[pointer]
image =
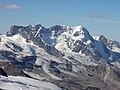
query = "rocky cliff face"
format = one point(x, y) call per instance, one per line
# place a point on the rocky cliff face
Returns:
point(69, 58)
point(110, 43)
point(33, 34)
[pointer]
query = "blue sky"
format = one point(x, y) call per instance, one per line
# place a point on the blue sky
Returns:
point(98, 16)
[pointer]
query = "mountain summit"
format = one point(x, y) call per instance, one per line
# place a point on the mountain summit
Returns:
point(62, 57)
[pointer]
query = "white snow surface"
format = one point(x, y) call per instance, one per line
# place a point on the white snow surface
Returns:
point(96, 37)
point(70, 36)
point(33, 75)
point(63, 37)
point(29, 49)
point(115, 49)
point(24, 83)
point(86, 60)
point(38, 31)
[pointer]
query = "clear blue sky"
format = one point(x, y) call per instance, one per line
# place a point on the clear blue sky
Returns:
point(98, 16)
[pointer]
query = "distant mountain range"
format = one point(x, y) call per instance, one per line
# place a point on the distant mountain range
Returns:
point(58, 58)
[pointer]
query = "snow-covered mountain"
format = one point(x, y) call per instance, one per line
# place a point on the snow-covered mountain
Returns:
point(62, 57)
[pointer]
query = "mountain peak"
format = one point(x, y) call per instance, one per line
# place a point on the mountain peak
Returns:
point(82, 33)
point(79, 27)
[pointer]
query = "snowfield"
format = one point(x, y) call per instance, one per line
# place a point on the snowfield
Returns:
point(24, 83)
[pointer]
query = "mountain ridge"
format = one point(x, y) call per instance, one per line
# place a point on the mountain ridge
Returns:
point(69, 55)
point(65, 38)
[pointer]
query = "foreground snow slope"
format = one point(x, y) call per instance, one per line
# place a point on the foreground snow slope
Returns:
point(23, 83)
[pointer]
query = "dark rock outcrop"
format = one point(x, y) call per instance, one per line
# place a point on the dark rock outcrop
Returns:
point(3, 73)
point(108, 42)
point(10, 69)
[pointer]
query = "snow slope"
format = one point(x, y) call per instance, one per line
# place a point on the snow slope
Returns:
point(24, 83)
